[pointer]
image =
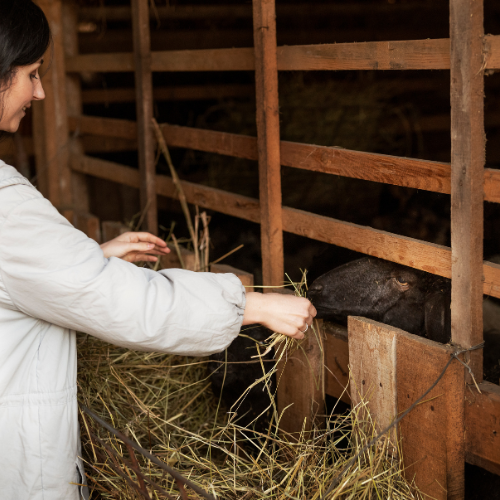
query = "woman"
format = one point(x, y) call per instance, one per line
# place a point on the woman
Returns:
point(54, 280)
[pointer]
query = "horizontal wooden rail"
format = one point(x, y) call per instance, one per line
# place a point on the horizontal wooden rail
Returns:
point(177, 93)
point(482, 411)
point(428, 257)
point(406, 172)
point(395, 55)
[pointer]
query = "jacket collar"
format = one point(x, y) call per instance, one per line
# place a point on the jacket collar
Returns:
point(9, 176)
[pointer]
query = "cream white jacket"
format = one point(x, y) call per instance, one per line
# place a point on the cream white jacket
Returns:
point(53, 281)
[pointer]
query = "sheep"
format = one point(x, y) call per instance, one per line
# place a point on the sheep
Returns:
point(415, 301)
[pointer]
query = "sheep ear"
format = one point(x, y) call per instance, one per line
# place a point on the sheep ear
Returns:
point(438, 317)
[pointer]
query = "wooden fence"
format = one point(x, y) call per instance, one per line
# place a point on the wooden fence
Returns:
point(63, 169)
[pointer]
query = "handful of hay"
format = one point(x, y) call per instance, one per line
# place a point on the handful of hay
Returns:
point(165, 404)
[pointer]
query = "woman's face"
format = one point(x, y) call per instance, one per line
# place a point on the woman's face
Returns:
point(26, 86)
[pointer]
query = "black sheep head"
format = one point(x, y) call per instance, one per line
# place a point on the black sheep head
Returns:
point(415, 301)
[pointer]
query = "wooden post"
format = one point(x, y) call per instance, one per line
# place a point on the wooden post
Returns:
point(144, 106)
point(392, 369)
point(50, 117)
point(79, 182)
point(467, 175)
point(266, 79)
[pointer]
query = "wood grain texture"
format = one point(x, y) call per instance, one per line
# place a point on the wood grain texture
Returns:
point(482, 417)
point(467, 175)
point(144, 107)
point(74, 105)
point(268, 141)
point(393, 55)
point(336, 352)
point(407, 172)
point(373, 364)
point(482, 411)
point(301, 384)
point(171, 93)
point(398, 55)
point(52, 167)
point(418, 254)
point(246, 279)
point(204, 60)
point(431, 435)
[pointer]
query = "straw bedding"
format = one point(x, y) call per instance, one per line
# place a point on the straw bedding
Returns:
point(165, 403)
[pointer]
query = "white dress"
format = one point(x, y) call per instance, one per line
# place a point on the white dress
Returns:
point(55, 280)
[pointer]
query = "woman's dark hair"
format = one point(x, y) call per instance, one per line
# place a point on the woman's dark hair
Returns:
point(24, 38)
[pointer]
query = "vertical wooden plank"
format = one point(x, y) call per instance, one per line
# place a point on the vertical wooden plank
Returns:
point(144, 106)
point(372, 354)
point(336, 354)
point(79, 182)
point(431, 435)
point(50, 117)
point(467, 175)
point(266, 79)
point(301, 384)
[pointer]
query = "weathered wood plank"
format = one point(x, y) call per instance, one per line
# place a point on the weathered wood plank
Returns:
point(397, 55)
point(492, 51)
point(173, 93)
point(467, 175)
point(428, 257)
point(336, 352)
point(482, 411)
point(52, 128)
point(301, 384)
point(373, 364)
point(144, 106)
point(204, 60)
point(392, 369)
point(74, 105)
point(407, 172)
point(482, 418)
point(433, 433)
point(268, 141)
point(393, 55)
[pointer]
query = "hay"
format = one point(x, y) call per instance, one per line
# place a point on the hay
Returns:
point(164, 403)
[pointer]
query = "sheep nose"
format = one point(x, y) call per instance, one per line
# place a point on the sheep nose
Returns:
point(315, 289)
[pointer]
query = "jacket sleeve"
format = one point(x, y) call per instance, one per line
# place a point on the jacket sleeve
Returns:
point(55, 273)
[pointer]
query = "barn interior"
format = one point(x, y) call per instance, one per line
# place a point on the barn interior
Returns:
point(386, 112)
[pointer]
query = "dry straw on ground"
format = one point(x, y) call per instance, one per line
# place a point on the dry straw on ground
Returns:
point(164, 403)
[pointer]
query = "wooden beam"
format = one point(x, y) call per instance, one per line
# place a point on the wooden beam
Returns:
point(467, 176)
point(144, 106)
point(74, 105)
point(407, 172)
point(268, 141)
point(392, 55)
point(229, 11)
point(51, 128)
point(418, 254)
point(181, 93)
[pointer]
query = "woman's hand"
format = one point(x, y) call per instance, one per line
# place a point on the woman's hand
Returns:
point(280, 313)
point(133, 247)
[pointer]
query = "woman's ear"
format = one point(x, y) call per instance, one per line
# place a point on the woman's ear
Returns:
point(438, 317)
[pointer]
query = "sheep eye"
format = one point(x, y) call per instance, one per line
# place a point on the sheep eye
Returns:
point(402, 283)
